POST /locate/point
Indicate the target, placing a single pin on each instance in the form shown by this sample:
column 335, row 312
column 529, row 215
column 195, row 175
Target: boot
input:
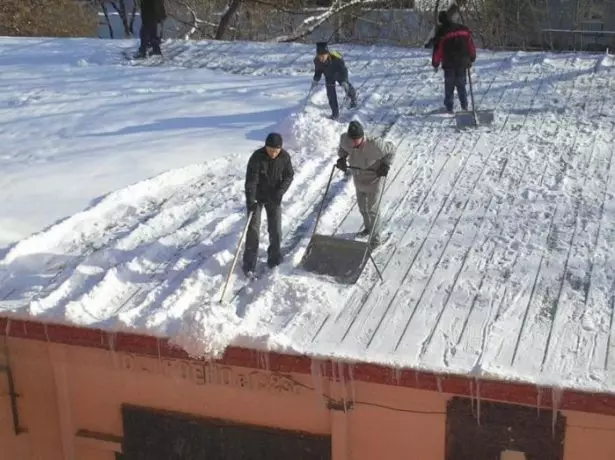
column 156, row 51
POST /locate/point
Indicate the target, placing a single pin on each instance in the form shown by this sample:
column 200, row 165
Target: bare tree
column 508, row 23
column 47, row 18
column 126, row 14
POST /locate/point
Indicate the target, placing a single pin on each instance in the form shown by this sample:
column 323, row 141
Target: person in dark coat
column 332, row 66
column 268, row 176
column 453, row 48
column 153, row 15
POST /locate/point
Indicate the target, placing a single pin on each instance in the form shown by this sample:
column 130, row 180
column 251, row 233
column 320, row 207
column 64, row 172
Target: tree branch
column 311, row 23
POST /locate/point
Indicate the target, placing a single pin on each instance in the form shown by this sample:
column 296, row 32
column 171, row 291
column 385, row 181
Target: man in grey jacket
column 369, row 160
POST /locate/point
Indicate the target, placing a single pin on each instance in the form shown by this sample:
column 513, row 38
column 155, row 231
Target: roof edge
column 455, row 384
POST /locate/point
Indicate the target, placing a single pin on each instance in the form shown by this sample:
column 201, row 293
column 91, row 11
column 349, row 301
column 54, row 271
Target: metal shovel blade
column 466, row 119
column 340, row 258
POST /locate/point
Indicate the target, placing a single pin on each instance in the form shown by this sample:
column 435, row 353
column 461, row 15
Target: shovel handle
column 230, row 272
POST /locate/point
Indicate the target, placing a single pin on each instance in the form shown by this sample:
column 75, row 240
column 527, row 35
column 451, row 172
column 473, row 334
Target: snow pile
column 208, row 328
column 607, row 61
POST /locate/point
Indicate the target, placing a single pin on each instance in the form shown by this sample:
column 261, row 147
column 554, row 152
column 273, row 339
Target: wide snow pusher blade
column 341, row 258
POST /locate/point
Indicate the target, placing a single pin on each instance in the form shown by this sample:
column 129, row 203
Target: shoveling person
column 268, row 176
column 369, row 160
column 153, row 15
column 332, row 65
column 454, row 49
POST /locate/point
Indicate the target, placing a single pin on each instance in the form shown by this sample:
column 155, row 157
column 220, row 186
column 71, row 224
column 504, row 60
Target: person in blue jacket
column 332, row 66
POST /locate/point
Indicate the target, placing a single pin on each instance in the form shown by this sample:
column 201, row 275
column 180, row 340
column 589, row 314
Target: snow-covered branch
column 311, row 23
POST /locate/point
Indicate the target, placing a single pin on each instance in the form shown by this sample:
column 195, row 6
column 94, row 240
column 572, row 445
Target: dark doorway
column 151, row 434
column 505, row 431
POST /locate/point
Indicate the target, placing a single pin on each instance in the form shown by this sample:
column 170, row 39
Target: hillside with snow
column 123, row 185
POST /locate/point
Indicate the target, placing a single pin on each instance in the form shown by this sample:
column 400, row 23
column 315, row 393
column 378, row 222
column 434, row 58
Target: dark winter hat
column 355, row 130
column 322, row 48
column 274, row 140
column 443, row 17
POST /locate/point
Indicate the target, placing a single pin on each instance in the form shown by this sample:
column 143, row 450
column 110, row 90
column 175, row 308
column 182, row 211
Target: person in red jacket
column 454, row 49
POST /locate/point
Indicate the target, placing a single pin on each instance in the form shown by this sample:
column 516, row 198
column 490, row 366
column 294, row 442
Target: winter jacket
column 334, row 69
column 453, row 47
column 152, row 11
column 268, row 179
column 368, row 157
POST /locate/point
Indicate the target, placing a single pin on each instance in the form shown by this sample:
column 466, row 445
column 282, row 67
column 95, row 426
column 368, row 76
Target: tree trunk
column 225, row 20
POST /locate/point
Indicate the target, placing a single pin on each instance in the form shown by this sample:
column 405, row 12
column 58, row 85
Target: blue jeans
column 455, row 78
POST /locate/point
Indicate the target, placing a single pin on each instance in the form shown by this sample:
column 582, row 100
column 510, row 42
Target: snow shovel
column 473, row 118
column 341, row 258
column 230, row 272
column 307, row 99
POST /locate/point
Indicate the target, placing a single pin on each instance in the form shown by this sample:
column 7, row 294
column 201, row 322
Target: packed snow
column 124, row 205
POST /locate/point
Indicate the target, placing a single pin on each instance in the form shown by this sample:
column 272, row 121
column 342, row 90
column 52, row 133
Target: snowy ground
column 502, row 256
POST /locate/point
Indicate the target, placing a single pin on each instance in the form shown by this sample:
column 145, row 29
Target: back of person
column 453, row 46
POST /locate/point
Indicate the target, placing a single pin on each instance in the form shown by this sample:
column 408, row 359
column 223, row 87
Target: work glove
column 382, row 170
column 252, row 207
column 342, row 164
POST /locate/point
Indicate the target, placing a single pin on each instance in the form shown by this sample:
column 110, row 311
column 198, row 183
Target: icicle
column 471, row 383
column 267, row 365
column 478, row 401
column 351, row 378
column 111, row 340
column 439, row 383
column 397, row 374
column 342, row 378
column 46, row 331
column 538, row 400
column 7, row 329
column 316, row 370
column 159, row 354
column 556, row 399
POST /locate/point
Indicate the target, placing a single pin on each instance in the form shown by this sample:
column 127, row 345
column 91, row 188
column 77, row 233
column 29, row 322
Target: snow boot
column 141, row 54
column 363, row 233
column 156, row 51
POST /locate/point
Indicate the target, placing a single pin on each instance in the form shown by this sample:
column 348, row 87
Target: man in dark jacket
column 332, row 65
column 268, row 176
column 152, row 15
column 455, row 50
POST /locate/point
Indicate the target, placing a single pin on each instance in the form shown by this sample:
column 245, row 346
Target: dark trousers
column 455, row 78
column 150, row 36
column 332, row 93
column 274, row 228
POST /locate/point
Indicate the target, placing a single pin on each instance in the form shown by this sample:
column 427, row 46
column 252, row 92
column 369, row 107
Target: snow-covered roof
column 501, row 256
